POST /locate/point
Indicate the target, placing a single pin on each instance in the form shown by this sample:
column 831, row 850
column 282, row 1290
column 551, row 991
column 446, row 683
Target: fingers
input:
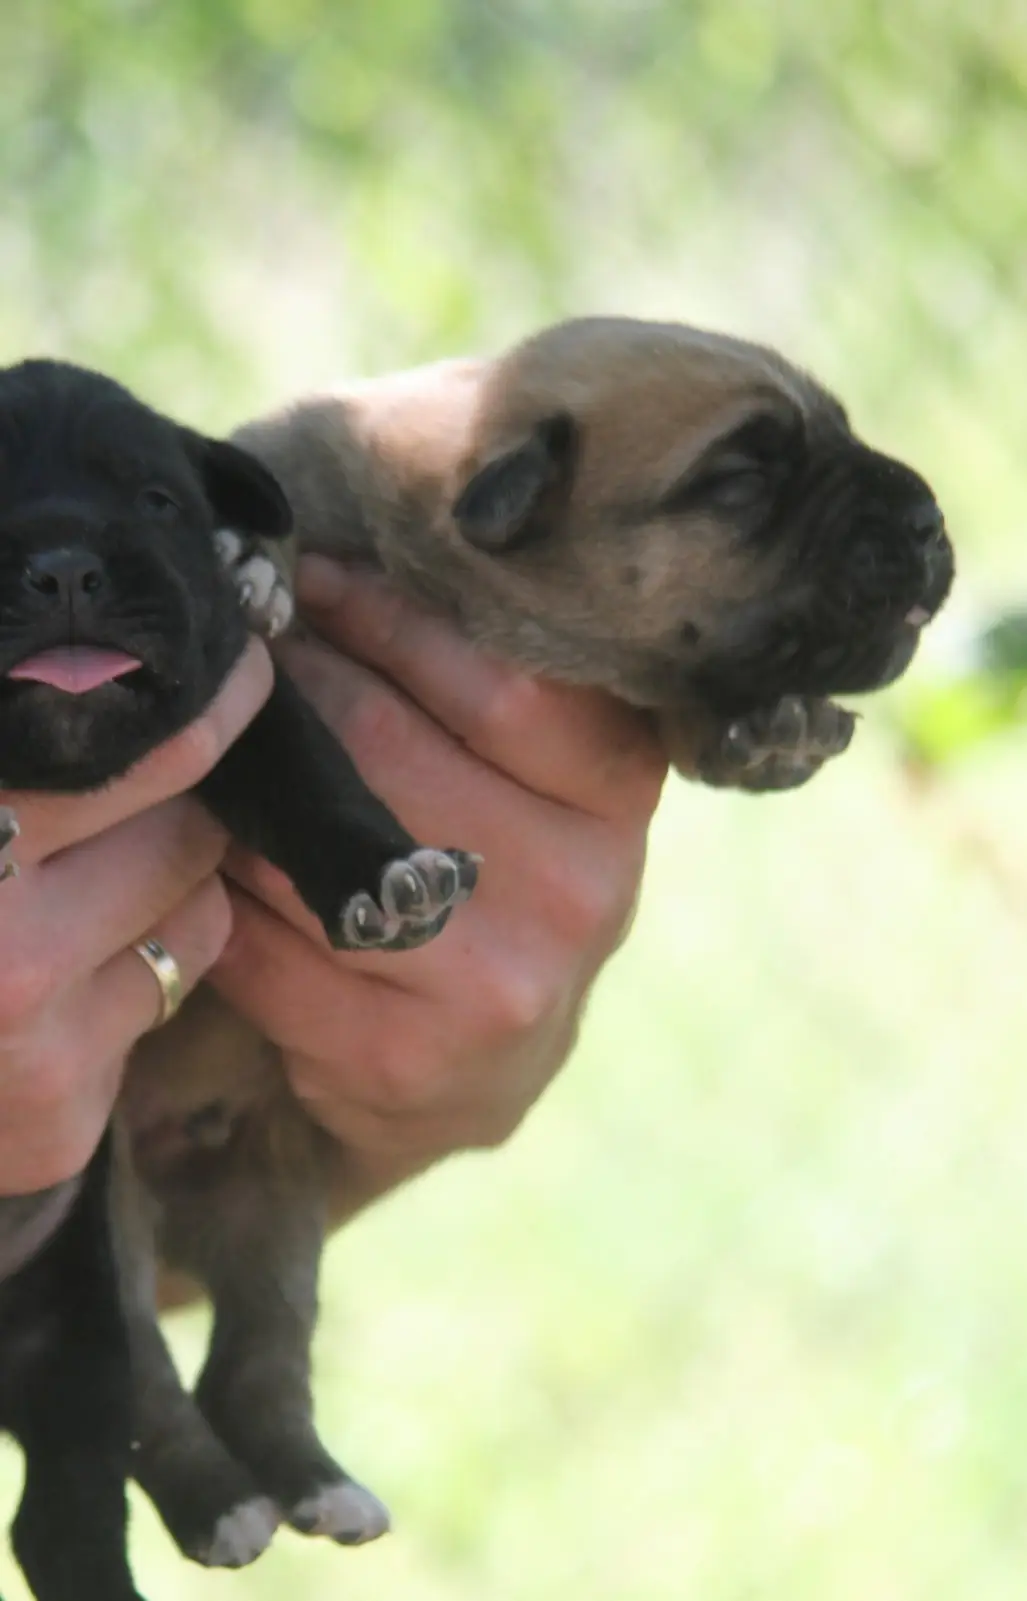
column 126, row 999
column 50, row 823
column 446, row 797
column 452, row 1069
column 62, row 1075
column 577, row 746
column 86, row 904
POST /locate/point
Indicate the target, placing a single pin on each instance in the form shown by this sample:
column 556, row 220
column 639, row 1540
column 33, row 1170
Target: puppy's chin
column 902, row 653
column 739, row 677
column 64, row 743
column 867, row 666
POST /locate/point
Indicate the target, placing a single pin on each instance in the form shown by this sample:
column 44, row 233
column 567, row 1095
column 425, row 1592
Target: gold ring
column 167, row 973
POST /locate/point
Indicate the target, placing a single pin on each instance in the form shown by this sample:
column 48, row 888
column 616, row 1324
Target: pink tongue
column 75, row 668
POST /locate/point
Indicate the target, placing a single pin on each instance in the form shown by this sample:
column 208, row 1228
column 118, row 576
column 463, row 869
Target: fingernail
column 321, row 581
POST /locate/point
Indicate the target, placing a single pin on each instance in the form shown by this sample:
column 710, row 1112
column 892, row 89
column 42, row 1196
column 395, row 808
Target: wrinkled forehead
column 649, row 397
column 47, row 427
column 126, row 440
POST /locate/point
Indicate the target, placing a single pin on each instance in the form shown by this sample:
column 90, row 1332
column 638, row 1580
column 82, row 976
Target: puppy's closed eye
column 729, row 487
column 743, row 472
column 153, row 501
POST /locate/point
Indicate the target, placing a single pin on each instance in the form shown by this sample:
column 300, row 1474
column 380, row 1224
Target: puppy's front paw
column 416, row 896
column 263, row 591
column 779, row 747
column 9, row 832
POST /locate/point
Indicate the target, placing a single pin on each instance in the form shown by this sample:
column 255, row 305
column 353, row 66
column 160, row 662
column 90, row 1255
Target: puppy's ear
column 244, row 495
column 515, row 498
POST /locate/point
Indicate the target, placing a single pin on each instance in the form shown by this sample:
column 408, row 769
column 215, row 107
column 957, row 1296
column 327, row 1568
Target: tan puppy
column 678, row 517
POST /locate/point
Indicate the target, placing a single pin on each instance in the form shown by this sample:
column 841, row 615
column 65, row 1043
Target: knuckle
column 382, row 613
column 406, row 1083
column 513, row 707
column 517, row 1000
column 585, row 903
column 195, row 750
column 185, row 842
column 588, row 897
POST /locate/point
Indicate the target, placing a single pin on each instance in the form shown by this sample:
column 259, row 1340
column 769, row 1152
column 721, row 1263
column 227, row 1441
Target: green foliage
column 945, row 716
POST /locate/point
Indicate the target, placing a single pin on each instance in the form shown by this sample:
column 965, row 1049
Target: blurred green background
column 742, row 1311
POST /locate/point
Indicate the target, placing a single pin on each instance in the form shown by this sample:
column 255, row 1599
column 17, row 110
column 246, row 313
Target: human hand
column 99, row 871
column 406, row 1058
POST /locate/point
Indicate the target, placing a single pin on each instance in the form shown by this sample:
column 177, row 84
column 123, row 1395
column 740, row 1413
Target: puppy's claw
column 417, row 895
column 789, row 724
column 363, row 924
column 346, row 1512
column 9, row 831
column 405, row 894
column 9, row 827
column 737, row 745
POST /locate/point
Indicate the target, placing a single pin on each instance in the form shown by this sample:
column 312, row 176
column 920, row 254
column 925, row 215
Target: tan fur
column 373, row 472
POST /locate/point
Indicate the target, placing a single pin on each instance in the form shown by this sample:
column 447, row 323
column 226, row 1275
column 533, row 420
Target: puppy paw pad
column 241, row 1535
column 265, row 596
column 346, row 1512
column 779, row 747
column 450, row 876
column 417, row 893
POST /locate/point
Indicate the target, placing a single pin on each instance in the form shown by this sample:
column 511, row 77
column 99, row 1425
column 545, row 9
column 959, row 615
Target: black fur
column 867, row 548
column 64, row 1396
column 107, row 518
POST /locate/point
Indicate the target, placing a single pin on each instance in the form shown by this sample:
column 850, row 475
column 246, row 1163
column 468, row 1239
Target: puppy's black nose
column 924, row 519
column 65, row 577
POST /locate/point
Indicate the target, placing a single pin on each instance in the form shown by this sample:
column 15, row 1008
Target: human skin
column 97, row 873
column 406, row 1059
column 403, row 1058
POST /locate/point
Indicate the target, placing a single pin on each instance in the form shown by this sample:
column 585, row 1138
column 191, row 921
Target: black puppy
column 118, row 624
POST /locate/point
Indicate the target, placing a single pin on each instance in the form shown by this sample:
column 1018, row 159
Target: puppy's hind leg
column 210, row 1505
column 256, row 1243
column 72, row 1413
